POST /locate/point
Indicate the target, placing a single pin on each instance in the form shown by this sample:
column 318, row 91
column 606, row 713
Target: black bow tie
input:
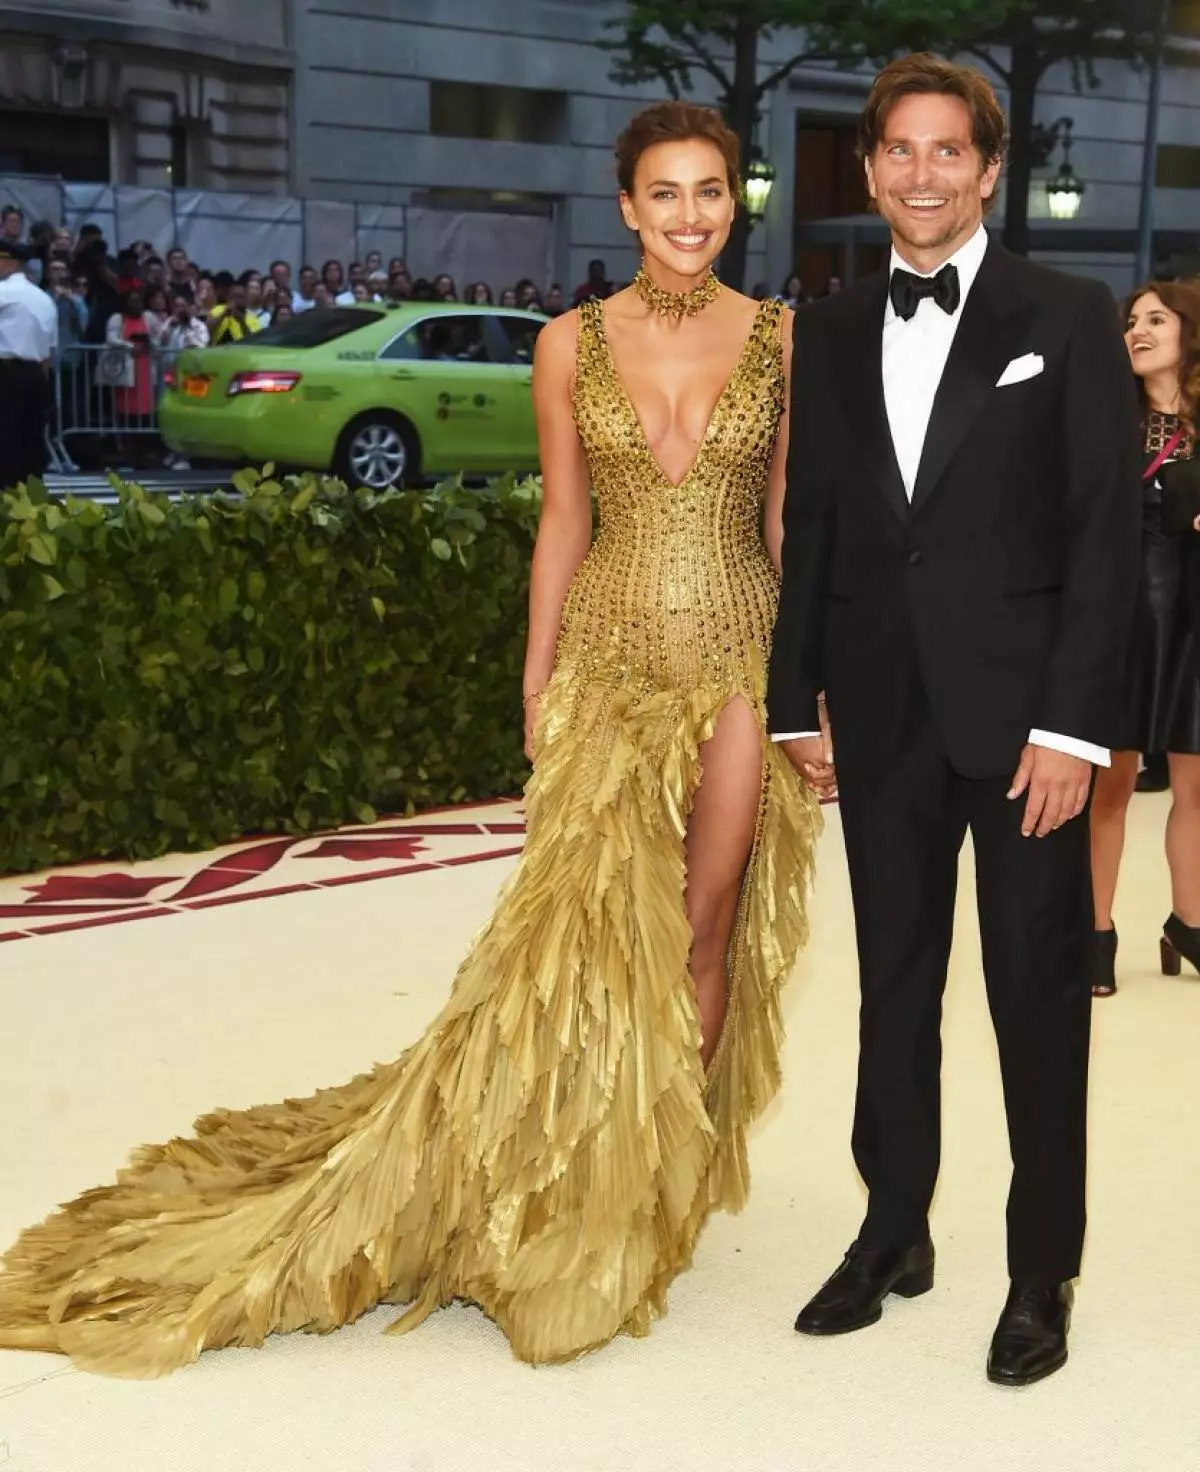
column 908, row 291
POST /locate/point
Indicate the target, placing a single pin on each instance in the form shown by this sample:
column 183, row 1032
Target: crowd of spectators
column 172, row 303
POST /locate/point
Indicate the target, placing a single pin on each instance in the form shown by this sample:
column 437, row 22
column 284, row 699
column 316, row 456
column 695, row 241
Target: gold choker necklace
column 677, row 304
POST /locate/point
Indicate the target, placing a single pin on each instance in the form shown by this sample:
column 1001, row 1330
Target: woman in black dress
column 1163, row 337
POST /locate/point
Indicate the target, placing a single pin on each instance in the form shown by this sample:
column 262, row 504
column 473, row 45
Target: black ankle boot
column 1179, row 942
column 1104, row 963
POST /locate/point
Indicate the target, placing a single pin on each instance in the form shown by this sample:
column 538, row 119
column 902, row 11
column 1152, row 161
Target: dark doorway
column 829, row 185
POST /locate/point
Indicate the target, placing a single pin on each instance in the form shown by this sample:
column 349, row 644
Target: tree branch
column 690, row 41
column 781, row 73
column 983, row 54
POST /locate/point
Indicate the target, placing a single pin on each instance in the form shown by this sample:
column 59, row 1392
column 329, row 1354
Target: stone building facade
column 192, row 93
column 503, row 106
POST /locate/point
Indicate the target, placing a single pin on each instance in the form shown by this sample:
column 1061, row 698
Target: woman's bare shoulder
column 558, row 340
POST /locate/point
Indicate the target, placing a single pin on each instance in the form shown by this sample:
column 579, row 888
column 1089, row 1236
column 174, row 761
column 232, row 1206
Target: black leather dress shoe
column 1030, row 1341
column 853, row 1297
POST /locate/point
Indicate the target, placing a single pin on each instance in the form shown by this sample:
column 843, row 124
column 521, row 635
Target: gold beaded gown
column 551, row 1146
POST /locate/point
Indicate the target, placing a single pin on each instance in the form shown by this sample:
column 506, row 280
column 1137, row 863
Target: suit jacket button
column 914, row 559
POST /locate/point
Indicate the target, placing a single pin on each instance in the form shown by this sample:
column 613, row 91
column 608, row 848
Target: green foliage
column 175, row 674
column 1074, row 31
column 669, row 40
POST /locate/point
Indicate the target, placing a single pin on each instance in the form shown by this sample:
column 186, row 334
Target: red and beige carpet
column 273, row 966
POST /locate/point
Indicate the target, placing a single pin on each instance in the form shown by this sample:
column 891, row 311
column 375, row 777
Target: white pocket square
column 1020, row 369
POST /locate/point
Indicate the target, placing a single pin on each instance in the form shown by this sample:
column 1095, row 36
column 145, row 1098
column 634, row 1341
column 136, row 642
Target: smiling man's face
column 927, row 178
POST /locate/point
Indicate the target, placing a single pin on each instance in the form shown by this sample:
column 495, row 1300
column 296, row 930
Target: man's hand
column 812, row 757
column 1058, row 787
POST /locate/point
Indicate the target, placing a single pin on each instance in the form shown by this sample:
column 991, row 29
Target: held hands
column 1058, row 787
column 812, row 757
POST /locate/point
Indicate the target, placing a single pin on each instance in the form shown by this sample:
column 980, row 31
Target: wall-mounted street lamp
column 1065, row 190
column 760, row 177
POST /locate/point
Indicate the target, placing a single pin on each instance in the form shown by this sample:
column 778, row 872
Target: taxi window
column 522, row 335
column 312, row 329
column 442, row 339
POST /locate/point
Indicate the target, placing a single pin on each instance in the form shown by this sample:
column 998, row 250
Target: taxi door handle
column 405, row 374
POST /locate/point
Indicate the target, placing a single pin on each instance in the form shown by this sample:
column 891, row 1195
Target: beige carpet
column 123, row 1033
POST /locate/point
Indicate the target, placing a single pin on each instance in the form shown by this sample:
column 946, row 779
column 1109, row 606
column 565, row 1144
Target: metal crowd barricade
column 105, row 404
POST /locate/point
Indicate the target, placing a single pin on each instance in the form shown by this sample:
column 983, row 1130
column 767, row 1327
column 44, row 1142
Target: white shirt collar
column 967, row 258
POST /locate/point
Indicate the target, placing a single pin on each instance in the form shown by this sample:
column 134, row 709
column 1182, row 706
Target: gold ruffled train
column 551, row 1146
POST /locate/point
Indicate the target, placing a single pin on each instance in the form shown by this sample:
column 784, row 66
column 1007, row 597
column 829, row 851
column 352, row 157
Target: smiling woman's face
column 681, row 205
column 1152, row 335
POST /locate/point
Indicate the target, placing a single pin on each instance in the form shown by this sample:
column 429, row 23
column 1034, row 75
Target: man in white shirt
column 961, row 535
column 304, row 299
column 28, row 338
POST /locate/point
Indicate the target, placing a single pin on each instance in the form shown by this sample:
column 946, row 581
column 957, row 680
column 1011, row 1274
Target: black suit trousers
column 24, row 402
column 904, row 824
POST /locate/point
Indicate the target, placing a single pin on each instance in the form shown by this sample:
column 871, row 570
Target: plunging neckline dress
column 552, row 1145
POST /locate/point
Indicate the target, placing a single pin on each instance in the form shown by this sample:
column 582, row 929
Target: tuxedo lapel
column 991, row 328
column 861, row 348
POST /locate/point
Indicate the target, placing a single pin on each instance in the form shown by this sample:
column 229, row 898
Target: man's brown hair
column 923, row 73
column 677, row 122
column 1182, row 298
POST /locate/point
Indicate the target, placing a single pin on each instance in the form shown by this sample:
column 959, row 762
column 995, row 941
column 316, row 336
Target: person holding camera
column 233, row 321
column 183, row 329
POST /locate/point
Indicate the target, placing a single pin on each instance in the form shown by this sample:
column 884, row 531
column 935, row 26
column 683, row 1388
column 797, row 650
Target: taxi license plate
column 195, row 387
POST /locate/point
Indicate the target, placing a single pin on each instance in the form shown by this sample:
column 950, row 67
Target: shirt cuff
column 793, row 735
column 1099, row 756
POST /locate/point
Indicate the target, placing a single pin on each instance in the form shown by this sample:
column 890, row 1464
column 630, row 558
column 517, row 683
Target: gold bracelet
column 533, row 695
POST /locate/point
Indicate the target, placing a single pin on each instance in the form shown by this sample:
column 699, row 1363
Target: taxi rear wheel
column 378, row 450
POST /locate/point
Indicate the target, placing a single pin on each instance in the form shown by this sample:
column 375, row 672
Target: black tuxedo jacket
column 1007, row 586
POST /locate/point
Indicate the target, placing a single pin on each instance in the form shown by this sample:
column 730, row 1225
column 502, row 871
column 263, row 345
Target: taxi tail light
column 271, row 382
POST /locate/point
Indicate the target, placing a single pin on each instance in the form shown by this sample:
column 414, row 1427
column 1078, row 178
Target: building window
column 65, row 144
column 500, row 114
column 178, row 167
column 497, row 201
column 1177, row 166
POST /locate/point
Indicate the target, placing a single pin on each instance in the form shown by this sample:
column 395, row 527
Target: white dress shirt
column 28, row 320
column 914, row 360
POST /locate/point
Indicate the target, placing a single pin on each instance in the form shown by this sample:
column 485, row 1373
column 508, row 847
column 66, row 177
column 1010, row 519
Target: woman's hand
column 532, row 703
column 1196, row 523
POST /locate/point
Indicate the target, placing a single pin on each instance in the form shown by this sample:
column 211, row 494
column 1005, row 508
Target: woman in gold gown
column 551, row 1147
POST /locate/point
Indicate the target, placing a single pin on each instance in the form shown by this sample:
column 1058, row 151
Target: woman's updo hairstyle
column 677, row 122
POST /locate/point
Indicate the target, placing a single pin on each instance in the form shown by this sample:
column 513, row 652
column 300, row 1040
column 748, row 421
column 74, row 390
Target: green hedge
column 175, row 674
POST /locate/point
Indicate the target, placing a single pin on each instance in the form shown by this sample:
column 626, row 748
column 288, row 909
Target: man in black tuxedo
column 960, row 559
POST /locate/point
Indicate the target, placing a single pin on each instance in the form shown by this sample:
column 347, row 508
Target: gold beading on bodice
column 678, row 589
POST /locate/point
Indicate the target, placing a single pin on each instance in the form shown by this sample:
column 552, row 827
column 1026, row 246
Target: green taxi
column 379, row 395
